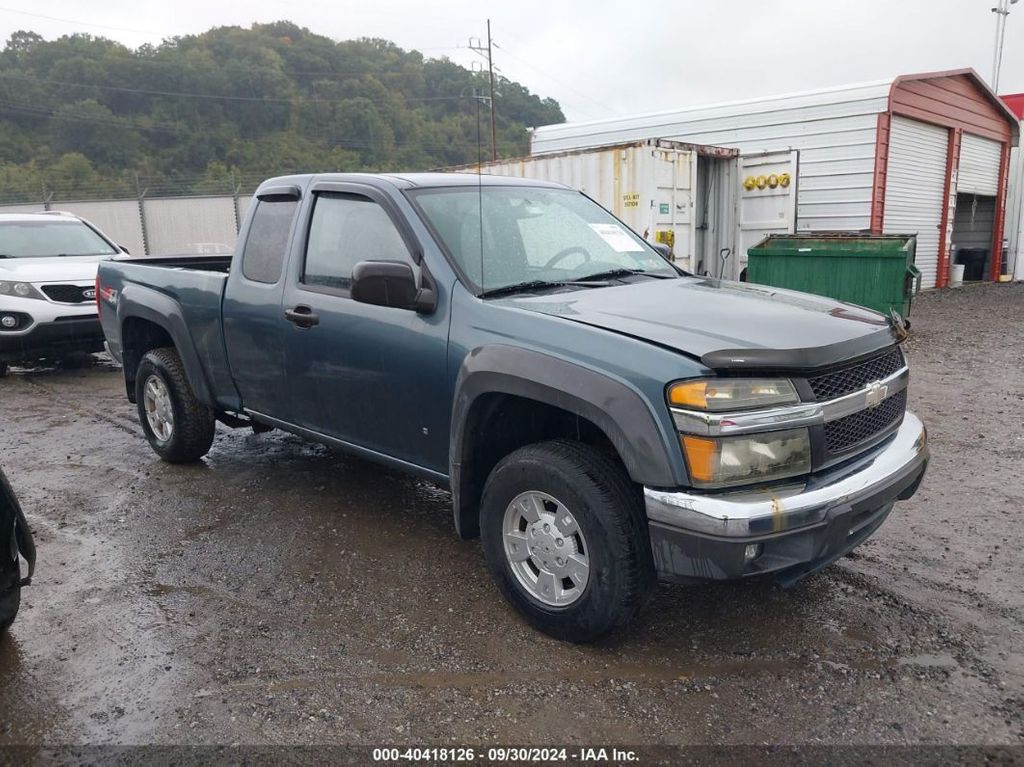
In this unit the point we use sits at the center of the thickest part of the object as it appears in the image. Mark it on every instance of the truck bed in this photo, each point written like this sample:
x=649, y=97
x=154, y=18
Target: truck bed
x=197, y=262
x=184, y=293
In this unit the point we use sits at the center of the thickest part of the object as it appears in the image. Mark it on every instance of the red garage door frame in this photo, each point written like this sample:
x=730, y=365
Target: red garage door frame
x=960, y=101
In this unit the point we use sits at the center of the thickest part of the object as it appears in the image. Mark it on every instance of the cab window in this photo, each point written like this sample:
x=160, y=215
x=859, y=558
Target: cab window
x=345, y=230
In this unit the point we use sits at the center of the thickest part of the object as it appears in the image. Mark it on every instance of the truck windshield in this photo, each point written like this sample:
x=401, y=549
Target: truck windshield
x=50, y=238
x=534, y=237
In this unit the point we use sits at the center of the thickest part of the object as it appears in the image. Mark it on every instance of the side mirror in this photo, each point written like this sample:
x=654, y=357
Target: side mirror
x=390, y=283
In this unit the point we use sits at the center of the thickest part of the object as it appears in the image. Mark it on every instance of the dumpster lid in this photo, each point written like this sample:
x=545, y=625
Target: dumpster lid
x=836, y=243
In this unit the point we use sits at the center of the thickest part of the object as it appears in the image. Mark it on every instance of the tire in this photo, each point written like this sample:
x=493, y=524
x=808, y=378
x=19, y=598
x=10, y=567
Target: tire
x=9, y=604
x=3, y=369
x=192, y=423
x=608, y=511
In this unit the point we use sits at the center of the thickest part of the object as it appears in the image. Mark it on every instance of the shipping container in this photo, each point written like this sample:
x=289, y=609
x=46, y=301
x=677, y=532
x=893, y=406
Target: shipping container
x=708, y=204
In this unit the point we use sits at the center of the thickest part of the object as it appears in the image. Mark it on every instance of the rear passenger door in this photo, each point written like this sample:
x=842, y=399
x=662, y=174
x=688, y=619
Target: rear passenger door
x=254, y=326
x=370, y=376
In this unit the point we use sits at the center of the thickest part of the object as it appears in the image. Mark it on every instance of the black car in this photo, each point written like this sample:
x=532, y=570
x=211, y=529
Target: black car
x=15, y=544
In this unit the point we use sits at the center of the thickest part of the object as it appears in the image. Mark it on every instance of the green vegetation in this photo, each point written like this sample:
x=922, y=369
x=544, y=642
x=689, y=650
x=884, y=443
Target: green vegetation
x=88, y=117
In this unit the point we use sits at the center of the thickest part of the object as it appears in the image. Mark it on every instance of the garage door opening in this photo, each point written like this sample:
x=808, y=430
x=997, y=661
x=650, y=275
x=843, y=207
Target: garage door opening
x=973, y=223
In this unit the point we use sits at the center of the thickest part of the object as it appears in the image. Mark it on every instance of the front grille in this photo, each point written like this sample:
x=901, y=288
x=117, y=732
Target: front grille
x=846, y=433
x=832, y=385
x=70, y=294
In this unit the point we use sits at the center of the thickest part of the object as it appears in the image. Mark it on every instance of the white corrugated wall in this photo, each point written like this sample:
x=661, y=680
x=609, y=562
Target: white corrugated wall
x=834, y=129
x=915, y=188
x=978, y=170
x=1015, y=212
x=190, y=225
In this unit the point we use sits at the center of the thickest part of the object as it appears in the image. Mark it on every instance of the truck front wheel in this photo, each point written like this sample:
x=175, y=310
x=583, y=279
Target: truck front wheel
x=178, y=426
x=564, y=537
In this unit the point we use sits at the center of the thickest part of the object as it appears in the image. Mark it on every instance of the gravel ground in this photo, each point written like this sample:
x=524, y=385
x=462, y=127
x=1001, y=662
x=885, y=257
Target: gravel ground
x=280, y=594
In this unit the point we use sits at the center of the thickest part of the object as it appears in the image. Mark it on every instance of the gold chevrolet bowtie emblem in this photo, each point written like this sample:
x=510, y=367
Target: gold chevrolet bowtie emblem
x=876, y=393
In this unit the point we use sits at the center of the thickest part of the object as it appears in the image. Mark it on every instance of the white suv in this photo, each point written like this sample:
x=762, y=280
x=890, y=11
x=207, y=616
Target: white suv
x=48, y=267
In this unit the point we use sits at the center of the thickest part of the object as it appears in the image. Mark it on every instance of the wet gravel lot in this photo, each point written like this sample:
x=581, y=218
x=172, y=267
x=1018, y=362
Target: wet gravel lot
x=281, y=594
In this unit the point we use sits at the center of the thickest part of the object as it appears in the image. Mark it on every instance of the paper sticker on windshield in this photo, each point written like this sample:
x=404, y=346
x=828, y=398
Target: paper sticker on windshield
x=617, y=238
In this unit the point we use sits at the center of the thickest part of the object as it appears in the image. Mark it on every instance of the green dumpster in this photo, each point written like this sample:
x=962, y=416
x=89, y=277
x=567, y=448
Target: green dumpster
x=872, y=270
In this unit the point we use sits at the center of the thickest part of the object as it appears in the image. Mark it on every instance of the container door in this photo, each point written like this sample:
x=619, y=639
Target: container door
x=767, y=205
x=915, y=188
x=670, y=213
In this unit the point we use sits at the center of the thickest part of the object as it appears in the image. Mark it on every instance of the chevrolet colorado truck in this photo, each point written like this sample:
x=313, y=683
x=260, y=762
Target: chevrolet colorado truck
x=601, y=418
x=47, y=278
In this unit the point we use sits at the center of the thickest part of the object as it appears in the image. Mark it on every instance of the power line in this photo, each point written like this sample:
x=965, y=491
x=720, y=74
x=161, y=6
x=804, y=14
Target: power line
x=116, y=121
x=554, y=79
x=341, y=143
x=83, y=23
x=213, y=96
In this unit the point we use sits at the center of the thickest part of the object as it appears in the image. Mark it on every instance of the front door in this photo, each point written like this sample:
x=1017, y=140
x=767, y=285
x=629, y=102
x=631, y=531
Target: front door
x=370, y=376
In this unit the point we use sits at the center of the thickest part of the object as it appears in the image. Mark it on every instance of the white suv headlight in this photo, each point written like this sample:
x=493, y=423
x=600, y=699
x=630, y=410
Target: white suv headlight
x=20, y=289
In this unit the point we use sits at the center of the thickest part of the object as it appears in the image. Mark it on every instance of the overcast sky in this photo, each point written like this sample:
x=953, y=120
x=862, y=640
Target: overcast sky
x=600, y=58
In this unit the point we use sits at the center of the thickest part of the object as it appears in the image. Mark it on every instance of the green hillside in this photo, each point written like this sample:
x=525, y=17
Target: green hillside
x=84, y=116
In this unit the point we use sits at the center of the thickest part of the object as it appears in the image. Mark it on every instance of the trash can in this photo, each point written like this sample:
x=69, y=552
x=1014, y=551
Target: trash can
x=872, y=270
x=973, y=260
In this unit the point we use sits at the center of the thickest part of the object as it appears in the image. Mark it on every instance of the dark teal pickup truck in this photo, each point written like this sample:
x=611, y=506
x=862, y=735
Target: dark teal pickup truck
x=601, y=418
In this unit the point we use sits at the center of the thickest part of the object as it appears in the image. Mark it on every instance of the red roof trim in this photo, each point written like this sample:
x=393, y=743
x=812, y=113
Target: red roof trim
x=972, y=75
x=1015, y=101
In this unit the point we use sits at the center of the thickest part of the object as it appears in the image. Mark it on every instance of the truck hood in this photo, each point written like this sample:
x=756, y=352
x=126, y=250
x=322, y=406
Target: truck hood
x=63, y=269
x=726, y=325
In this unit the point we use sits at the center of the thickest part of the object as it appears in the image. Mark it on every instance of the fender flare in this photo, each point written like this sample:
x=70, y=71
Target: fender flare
x=138, y=302
x=619, y=411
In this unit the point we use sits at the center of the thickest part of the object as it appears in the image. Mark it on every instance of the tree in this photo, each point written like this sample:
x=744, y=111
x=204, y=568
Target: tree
x=273, y=98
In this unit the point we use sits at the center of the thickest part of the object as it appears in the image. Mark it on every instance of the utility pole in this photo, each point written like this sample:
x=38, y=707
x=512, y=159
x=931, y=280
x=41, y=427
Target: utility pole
x=1002, y=10
x=488, y=51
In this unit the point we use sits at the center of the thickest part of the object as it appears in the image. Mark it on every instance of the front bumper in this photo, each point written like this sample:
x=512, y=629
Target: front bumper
x=792, y=530
x=52, y=339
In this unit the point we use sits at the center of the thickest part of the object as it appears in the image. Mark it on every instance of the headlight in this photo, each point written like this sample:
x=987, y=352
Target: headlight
x=721, y=394
x=19, y=289
x=703, y=408
x=730, y=461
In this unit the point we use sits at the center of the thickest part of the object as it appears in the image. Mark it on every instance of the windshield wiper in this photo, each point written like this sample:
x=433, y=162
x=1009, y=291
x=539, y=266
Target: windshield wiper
x=523, y=287
x=613, y=273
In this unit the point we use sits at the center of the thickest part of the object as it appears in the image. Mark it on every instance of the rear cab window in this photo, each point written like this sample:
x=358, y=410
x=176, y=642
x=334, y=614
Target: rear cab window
x=267, y=241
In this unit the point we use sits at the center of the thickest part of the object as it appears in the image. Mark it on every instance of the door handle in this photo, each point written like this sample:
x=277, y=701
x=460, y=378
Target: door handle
x=302, y=316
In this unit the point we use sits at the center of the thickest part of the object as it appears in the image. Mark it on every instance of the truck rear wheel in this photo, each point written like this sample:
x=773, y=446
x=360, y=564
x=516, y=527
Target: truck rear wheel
x=564, y=536
x=178, y=426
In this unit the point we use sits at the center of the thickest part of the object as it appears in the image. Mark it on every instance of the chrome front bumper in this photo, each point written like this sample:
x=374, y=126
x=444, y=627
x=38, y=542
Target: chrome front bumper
x=805, y=524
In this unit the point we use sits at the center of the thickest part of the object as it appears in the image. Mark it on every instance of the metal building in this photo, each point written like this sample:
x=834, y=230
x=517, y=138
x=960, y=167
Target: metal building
x=898, y=156
x=1015, y=196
